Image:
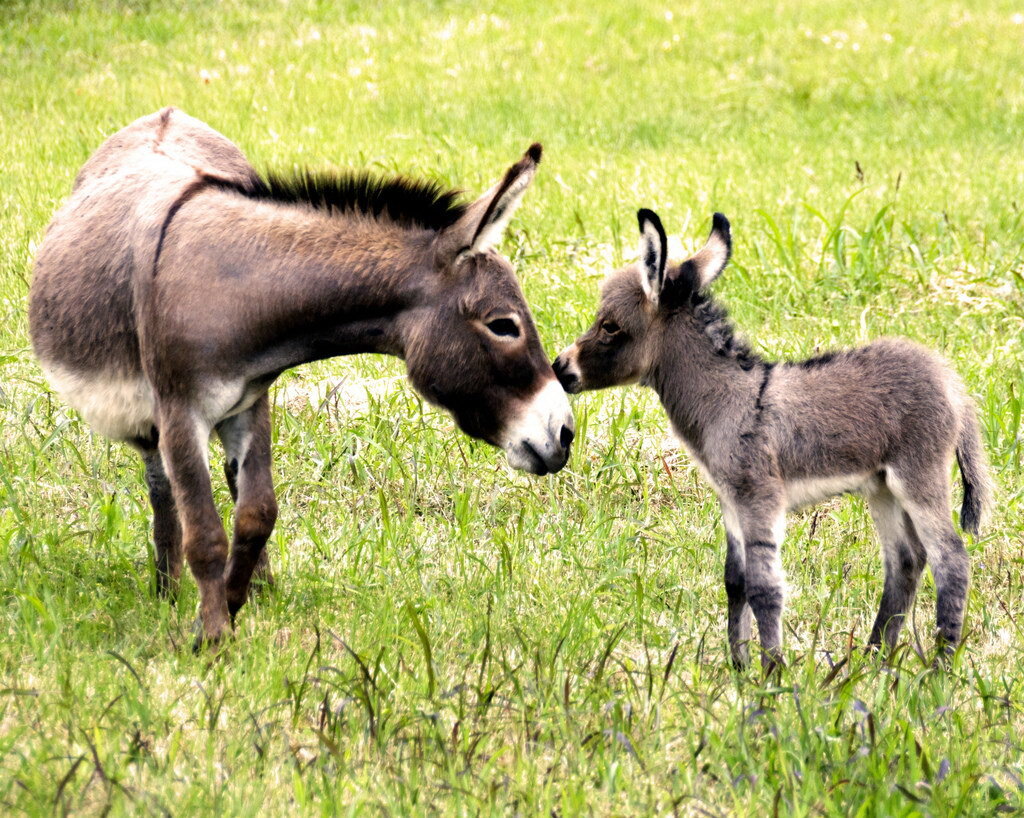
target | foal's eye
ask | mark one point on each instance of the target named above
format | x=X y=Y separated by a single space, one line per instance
x=503 y=327
x=610 y=327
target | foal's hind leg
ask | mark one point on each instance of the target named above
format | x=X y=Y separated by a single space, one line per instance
x=246 y=438
x=925 y=497
x=166 y=527
x=904 y=559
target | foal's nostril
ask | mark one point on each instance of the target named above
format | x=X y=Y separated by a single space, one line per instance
x=565 y=377
x=566 y=436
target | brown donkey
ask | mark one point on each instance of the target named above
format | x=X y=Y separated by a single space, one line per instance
x=176 y=284
x=883 y=420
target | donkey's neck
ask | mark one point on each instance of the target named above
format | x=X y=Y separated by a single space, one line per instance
x=306 y=287
x=705 y=392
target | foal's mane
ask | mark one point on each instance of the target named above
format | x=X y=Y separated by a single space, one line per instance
x=408 y=202
x=713 y=319
x=717 y=326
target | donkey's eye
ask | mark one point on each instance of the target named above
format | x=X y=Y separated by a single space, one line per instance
x=503 y=327
x=610 y=327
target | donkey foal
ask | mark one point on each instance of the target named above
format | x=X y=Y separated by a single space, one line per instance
x=883 y=420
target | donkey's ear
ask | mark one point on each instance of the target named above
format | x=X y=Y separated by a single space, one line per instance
x=653 y=254
x=710 y=260
x=485 y=220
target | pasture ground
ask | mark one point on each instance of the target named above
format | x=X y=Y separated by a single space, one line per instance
x=449 y=637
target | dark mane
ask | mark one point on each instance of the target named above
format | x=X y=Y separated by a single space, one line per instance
x=408 y=202
x=714 y=320
x=819 y=360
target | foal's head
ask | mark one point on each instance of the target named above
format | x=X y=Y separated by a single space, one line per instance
x=473 y=347
x=637 y=302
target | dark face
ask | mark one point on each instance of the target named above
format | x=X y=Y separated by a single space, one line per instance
x=616 y=348
x=474 y=350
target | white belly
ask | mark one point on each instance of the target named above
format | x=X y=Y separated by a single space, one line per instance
x=812 y=490
x=116 y=406
x=122 y=407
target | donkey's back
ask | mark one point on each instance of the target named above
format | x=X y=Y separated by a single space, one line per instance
x=92 y=267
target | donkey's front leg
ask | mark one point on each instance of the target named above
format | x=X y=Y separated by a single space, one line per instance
x=763 y=525
x=183 y=441
x=246 y=439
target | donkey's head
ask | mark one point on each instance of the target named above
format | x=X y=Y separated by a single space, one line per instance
x=473 y=347
x=636 y=302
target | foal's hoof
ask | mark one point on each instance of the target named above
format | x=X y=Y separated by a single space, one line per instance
x=772 y=664
x=944 y=655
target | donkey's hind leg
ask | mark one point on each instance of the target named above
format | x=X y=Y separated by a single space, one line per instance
x=166 y=527
x=904 y=560
x=927 y=502
x=246 y=439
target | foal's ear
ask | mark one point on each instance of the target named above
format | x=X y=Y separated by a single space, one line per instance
x=710 y=260
x=485 y=220
x=653 y=254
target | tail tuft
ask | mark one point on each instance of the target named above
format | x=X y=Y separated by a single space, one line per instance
x=970 y=456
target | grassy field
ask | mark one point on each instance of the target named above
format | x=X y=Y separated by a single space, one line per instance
x=448 y=636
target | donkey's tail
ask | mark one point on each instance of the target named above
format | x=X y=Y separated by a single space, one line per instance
x=970 y=456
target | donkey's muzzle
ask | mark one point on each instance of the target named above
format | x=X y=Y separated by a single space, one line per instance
x=539 y=439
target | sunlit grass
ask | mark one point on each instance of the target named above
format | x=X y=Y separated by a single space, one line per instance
x=447 y=636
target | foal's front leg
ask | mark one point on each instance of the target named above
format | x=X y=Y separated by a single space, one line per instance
x=735 y=591
x=763 y=525
x=246 y=439
x=183 y=442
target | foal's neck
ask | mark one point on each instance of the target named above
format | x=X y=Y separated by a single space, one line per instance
x=701 y=388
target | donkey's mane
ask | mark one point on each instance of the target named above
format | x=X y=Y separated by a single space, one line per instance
x=714 y=320
x=408 y=202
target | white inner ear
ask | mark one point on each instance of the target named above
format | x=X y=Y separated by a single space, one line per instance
x=491 y=233
x=650 y=262
x=711 y=259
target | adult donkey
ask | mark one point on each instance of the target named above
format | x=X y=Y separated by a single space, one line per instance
x=176 y=284
x=883 y=420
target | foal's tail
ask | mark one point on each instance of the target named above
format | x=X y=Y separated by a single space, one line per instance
x=970 y=456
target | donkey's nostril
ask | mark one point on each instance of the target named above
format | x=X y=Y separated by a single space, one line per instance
x=566 y=436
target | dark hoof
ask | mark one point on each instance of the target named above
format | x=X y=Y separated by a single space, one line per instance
x=772 y=665
x=167 y=588
x=203 y=641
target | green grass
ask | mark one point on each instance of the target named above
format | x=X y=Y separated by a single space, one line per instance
x=450 y=637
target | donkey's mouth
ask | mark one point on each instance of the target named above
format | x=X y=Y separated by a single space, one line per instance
x=525 y=457
x=535 y=463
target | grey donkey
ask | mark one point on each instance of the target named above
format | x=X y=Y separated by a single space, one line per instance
x=176 y=284
x=883 y=420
